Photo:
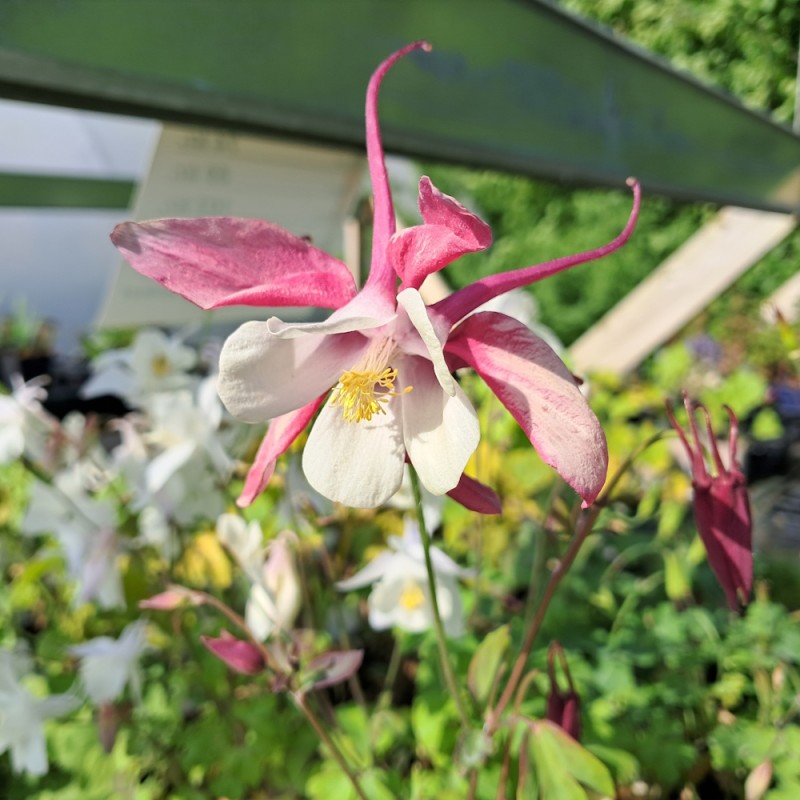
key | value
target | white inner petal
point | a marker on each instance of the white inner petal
(412, 302)
(440, 431)
(359, 464)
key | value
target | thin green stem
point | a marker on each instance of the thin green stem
(314, 721)
(473, 783)
(391, 675)
(438, 627)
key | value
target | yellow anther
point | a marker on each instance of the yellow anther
(160, 365)
(364, 391)
(361, 395)
(412, 597)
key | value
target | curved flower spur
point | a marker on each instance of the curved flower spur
(383, 359)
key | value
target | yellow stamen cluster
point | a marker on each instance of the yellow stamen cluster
(363, 394)
(412, 597)
(364, 391)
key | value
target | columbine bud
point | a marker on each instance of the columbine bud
(721, 506)
(241, 656)
(563, 707)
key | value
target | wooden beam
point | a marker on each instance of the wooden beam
(679, 289)
(786, 299)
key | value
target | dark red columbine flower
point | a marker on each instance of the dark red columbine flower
(563, 706)
(721, 505)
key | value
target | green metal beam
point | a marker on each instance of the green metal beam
(58, 191)
(517, 85)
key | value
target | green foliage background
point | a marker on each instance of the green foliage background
(745, 47)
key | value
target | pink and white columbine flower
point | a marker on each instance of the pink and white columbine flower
(380, 366)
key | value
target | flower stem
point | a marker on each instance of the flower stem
(438, 627)
(300, 700)
(391, 675)
(583, 528)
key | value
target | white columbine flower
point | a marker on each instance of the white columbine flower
(154, 363)
(275, 594)
(24, 423)
(22, 718)
(108, 665)
(85, 528)
(172, 481)
(400, 597)
(185, 428)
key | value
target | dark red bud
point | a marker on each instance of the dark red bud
(563, 705)
(721, 505)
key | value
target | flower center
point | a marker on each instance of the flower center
(364, 390)
(412, 597)
(160, 365)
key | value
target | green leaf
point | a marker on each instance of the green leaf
(434, 724)
(623, 765)
(584, 766)
(486, 662)
(330, 783)
(552, 772)
(730, 688)
(563, 768)
(388, 728)
(357, 744)
(374, 786)
(676, 576)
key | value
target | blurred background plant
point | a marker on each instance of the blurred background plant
(677, 694)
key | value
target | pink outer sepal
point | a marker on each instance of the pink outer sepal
(239, 655)
(381, 274)
(540, 393)
(475, 496)
(224, 261)
(282, 432)
(466, 300)
(450, 231)
(173, 597)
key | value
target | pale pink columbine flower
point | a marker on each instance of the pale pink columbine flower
(380, 366)
(275, 593)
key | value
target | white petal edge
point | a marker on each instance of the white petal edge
(368, 574)
(413, 304)
(361, 313)
(440, 431)
(262, 377)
